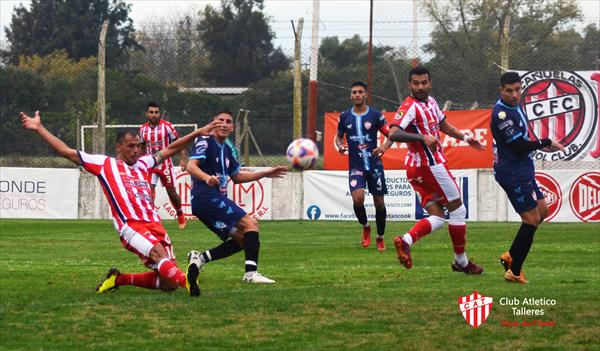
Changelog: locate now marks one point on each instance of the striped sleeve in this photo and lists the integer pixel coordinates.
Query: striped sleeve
(92, 163)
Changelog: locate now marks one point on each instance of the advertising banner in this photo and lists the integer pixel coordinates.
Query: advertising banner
(39, 193)
(563, 106)
(571, 195)
(327, 196)
(253, 197)
(458, 153)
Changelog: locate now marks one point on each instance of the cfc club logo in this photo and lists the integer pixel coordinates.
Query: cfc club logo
(561, 106)
(475, 308)
(552, 193)
(585, 197)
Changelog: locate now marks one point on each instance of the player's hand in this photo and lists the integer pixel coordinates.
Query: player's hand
(474, 143)
(31, 123)
(431, 142)
(378, 151)
(207, 129)
(277, 172)
(555, 146)
(343, 149)
(213, 181)
(183, 163)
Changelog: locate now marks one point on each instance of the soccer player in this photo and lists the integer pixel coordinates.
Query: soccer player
(514, 171)
(124, 180)
(360, 125)
(211, 165)
(428, 173)
(157, 134)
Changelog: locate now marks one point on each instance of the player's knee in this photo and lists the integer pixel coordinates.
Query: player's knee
(167, 285)
(157, 253)
(436, 222)
(543, 212)
(248, 224)
(458, 216)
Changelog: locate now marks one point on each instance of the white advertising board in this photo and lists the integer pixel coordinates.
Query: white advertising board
(253, 197)
(327, 196)
(39, 193)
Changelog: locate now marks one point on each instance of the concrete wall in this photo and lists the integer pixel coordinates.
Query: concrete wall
(288, 197)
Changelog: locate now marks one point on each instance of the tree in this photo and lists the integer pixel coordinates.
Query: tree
(71, 25)
(466, 43)
(238, 40)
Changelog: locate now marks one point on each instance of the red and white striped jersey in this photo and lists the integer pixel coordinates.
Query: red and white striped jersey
(125, 187)
(418, 117)
(157, 138)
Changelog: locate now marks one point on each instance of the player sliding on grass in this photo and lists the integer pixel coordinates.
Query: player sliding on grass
(211, 165)
(360, 125)
(427, 172)
(124, 180)
(514, 171)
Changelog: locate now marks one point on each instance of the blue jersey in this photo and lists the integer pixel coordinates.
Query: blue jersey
(215, 159)
(509, 124)
(361, 135)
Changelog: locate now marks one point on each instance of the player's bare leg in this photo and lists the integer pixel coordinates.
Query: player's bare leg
(380, 218)
(176, 202)
(358, 203)
(457, 228)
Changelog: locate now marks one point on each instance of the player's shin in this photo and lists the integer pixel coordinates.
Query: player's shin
(361, 213)
(380, 217)
(148, 280)
(251, 248)
(521, 246)
(168, 270)
(457, 229)
(422, 228)
(223, 250)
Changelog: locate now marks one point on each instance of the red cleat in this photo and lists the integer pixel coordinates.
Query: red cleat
(181, 221)
(403, 251)
(380, 244)
(470, 268)
(366, 237)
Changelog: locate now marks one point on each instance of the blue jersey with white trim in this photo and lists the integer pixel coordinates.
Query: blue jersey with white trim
(215, 159)
(361, 136)
(508, 124)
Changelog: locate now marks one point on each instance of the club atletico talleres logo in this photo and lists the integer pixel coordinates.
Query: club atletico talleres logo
(475, 308)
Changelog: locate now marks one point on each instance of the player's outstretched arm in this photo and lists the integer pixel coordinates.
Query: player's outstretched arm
(35, 124)
(274, 172)
(451, 130)
(185, 140)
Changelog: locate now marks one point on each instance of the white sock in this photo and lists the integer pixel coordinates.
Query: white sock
(379, 236)
(408, 239)
(461, 259)
(366, 225)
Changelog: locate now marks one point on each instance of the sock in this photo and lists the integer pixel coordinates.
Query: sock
(457, 229)
(380, 216)
(251, 247)
(167, 269)
(179, 212)
(424, 227)
(225, 249)
(361, 214)
(148, 280)
(521, 246)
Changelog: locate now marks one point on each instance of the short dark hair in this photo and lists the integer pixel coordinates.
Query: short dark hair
(225, 110)
(358, 83)
(417, 71)
(122, 133)
(151, 104)
(509, 78)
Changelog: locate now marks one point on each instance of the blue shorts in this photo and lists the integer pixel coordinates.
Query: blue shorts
(523, 195)
(218, 213)
(374, 179)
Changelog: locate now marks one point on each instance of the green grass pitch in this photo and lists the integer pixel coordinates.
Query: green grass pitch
(331, 294)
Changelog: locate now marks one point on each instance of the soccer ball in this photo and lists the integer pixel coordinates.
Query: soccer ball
(302, 154)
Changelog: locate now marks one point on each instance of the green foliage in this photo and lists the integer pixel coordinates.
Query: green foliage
(331, 294)
(238, 39)
(71, 25)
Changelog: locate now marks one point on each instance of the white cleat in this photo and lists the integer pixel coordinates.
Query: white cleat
(195, 257)
(256, 278)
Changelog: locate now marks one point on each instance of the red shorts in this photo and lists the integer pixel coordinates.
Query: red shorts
(166, 176)
(433, 184)
(141, 237)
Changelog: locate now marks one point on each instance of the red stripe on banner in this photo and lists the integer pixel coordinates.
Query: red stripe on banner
(561, 127)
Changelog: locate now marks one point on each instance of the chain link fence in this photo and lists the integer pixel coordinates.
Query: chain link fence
(173, 71)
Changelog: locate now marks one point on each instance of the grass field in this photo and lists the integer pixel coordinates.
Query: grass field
(331, 294)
